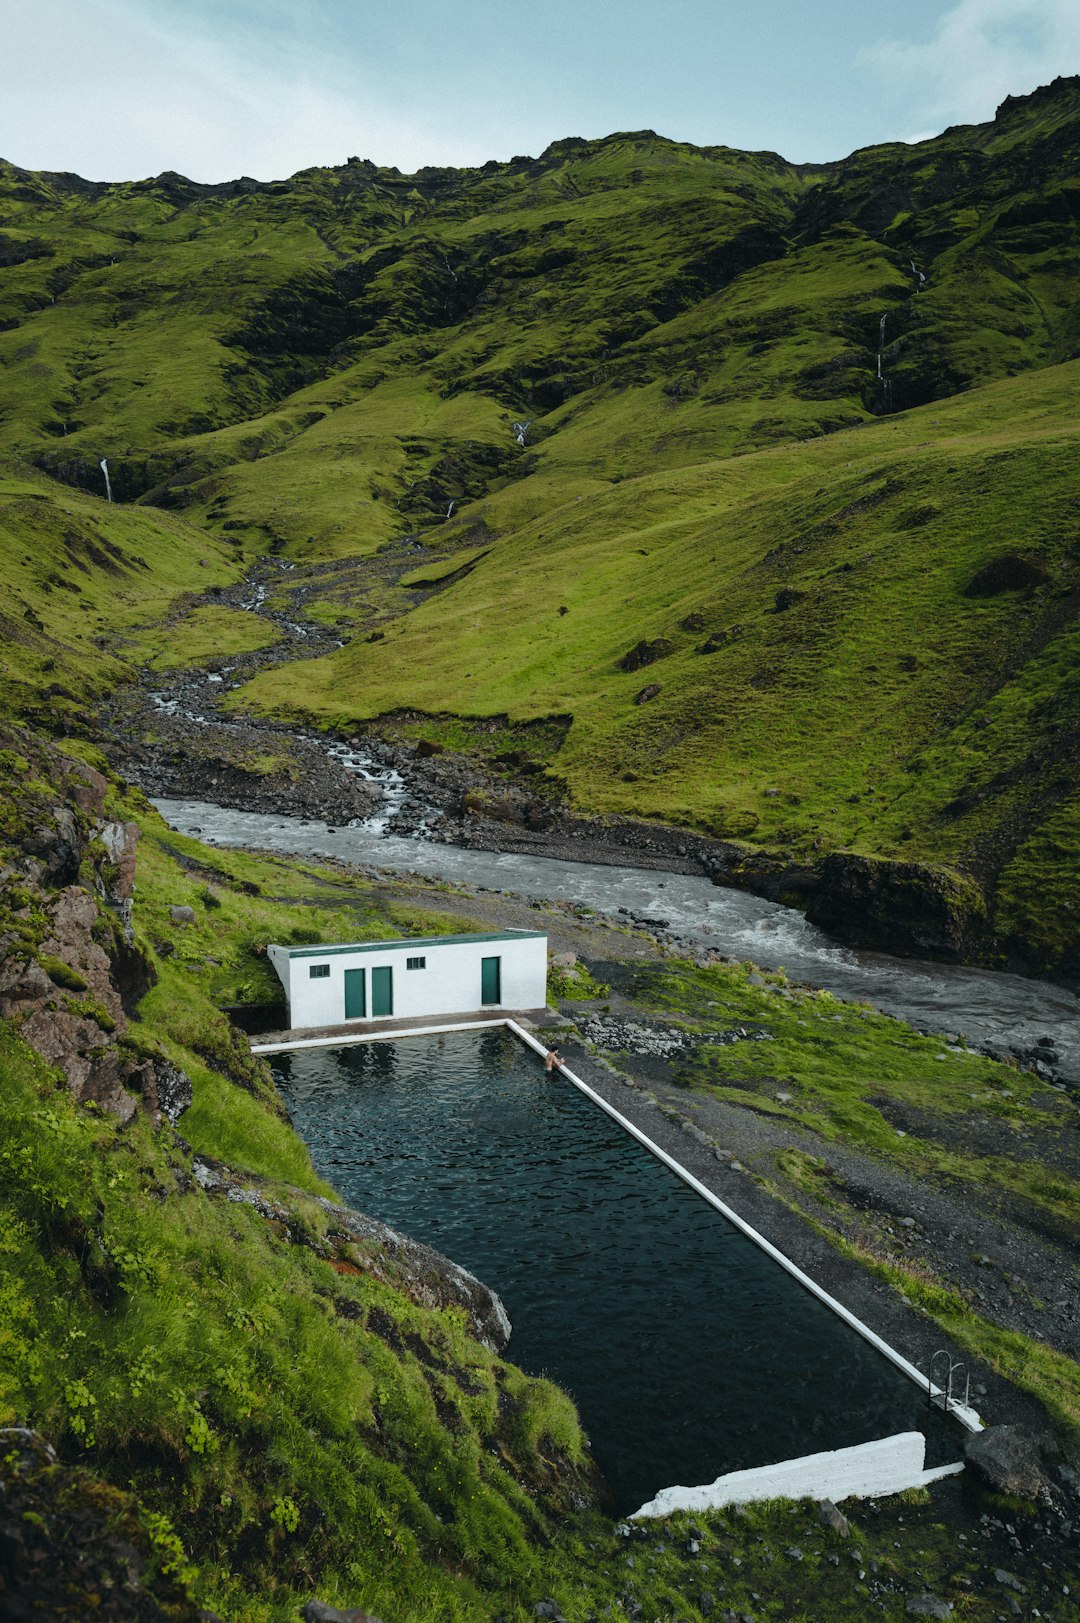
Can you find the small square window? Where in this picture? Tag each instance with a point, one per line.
(319, 972)
(416, 963)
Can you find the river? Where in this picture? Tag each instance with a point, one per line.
(980, 1005)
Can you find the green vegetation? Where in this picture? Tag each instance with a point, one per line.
(208, 634)
(847, 1075)
(607, 471)
(332, 368)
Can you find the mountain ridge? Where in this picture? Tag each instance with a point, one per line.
(520, 358)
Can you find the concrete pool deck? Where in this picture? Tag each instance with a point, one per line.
(269, 1042)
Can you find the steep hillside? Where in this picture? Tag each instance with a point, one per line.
(752, 487)
(804, 433)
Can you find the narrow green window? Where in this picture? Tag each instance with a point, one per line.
(490, 980)
(382, 992)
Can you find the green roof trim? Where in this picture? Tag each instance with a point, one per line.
(411, 942)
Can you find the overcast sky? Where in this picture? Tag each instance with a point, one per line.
(122, 89)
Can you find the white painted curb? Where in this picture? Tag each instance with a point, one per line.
(967, 1417)
(866, 1471)
(381, 1036)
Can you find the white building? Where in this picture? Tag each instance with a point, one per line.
(436, 975)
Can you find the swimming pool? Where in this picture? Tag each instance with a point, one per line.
(689, 1352)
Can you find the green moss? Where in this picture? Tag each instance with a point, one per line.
(62, 974)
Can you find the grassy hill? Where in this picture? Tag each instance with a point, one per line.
(846, 384)
(757, 483)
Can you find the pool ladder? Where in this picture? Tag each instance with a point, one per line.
(952, 1368)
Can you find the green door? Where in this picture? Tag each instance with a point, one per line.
(382, 992)
(355, 996)
(490, 991)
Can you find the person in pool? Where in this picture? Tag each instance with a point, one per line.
(553, 1061)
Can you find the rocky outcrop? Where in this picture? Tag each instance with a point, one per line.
(747, 867)
(70, 972)
(1019, 1461)
(356, 1243)
(73, 1547)
(646, 653)
(906, 907)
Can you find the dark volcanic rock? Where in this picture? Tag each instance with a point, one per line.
(646, 653)
(1009, 573)
(650, 692)
(909, 909)
(1011, 1459)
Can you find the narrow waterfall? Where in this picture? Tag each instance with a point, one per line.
(104, 466)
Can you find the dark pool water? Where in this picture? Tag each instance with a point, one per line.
(688, 1352)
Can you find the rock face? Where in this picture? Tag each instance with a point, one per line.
(919, 911)
(69, 969)
(72, 1547)
(362, 1244)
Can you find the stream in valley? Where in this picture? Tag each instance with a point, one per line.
(981, 1006)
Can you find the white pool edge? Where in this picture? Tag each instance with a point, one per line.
(871, 1467)
(966, 1416)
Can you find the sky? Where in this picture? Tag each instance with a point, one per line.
(123, 89)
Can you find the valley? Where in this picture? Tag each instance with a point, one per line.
(413, 540)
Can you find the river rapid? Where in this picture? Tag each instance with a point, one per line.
(980, 1006)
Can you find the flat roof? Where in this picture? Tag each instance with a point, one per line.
(411, 942)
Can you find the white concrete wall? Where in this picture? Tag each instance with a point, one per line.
(865, 1471)
(448, 984)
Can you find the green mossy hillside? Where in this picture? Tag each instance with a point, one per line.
(865, 643)
(277, 1400)
(778, 418)
(78, 576)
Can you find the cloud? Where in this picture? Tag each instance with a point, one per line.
(124, 89)
(980, 52)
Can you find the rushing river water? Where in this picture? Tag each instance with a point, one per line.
(688, 1350)
(980, 1005)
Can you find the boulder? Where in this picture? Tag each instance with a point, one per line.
(428, 747)
(647, 693)
(1010, 1459)
(646, 653)
(828, 1514)
(182, 915)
